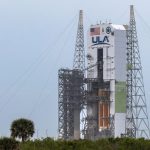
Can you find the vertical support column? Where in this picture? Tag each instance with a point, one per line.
(77, 124)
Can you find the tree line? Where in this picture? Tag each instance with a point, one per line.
(23, 129)
(101, 144)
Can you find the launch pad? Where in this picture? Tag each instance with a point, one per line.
(110, 88)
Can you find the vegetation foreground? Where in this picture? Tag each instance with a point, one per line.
(50, 144)
(23, 129)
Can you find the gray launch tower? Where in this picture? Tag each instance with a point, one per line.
(71, 90)
(112, 94)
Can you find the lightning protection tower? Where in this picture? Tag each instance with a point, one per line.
(137, 124)
(71, 90)
(79, 55)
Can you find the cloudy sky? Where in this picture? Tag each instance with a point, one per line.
(37, 37)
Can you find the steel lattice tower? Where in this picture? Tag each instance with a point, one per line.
(70, 96)
(71, 90)
(79, 64)
(137, 124)
(79, 55)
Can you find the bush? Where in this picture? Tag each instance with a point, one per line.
(101, 144)
(8, 144)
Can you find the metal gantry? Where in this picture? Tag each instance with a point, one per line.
(65, 118)
(71, 90)
(70, 95)
(137, 124)
(73, 98)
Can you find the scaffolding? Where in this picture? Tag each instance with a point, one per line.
(70, 100)
(71, 90)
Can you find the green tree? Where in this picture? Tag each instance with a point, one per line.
(8, 144)
(22, 128)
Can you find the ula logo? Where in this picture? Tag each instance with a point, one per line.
(100, 40)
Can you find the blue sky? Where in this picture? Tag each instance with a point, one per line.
(37, 37)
